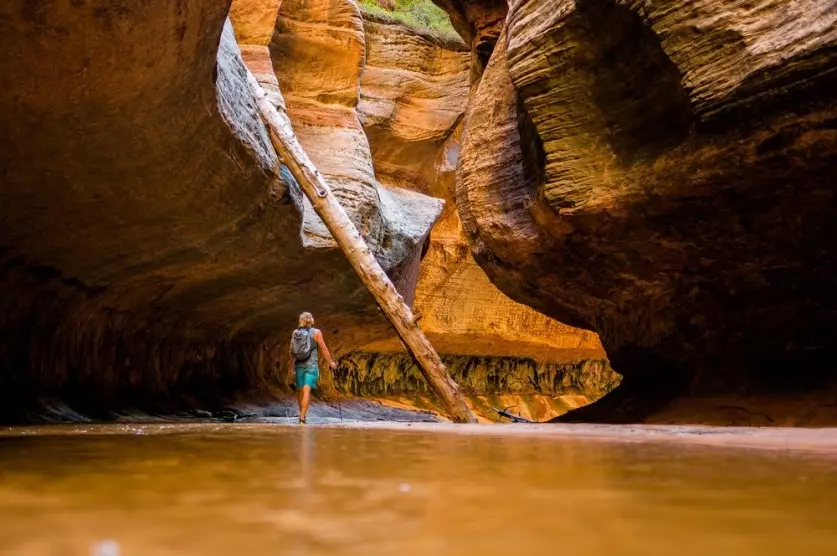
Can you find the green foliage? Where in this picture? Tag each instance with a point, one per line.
(422, 15)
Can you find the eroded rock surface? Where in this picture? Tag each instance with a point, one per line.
(152, 246)
(662, 174)
(479, 23)
(318, 56)
(408, 91)
(413, 93)
(537, 389)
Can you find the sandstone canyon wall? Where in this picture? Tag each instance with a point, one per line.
(658, 174)
(378, 103)
(154, 252)
(663, 174)
(153, 248)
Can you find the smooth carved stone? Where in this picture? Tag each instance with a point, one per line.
(413, 92)
(150, 239)
(318, 55)
(661, 173)
(254, 20)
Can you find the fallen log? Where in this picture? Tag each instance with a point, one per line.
(515, 418)
(361, 258)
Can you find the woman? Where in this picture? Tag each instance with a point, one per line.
(306, 343)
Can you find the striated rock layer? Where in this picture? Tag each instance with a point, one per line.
(389, 121)
(318, 56)
(662, 174)
(538, 390)
(413, 93)
(153, 251)
(479, 23)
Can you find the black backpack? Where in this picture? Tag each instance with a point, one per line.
(302, 343)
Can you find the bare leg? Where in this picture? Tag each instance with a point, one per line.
(305, 399)
(299, 402)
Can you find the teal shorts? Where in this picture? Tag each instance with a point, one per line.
(306, 376)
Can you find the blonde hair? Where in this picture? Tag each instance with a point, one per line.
(306, 319)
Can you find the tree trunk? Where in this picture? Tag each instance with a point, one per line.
(364, 263)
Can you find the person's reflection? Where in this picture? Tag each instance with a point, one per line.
(306, 459)
(301, 533)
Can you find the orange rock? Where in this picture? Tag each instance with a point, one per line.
(151, 244)
(254, 20)
(413, 93)
(662, 175)
(413, 89)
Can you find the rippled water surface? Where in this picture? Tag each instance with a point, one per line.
(264, 489)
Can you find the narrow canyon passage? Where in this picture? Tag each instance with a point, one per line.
(616, 222)
(159, 269)
(647, 189)
(552, 189)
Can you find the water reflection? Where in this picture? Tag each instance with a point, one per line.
(222, 490)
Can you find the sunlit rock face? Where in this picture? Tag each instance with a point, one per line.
(318, 56)
(536, 389)
(662, 174)
(413, 94)
(153, 250)
(381, 105)
(254, 20)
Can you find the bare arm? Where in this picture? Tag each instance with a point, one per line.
(318, 337)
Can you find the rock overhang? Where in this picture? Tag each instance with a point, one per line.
(141, 198)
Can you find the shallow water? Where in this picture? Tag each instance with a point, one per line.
(267, 489)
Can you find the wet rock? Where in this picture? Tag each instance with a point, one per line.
(201, 413)
(152, 249)
(540, 389)
(661, 175)
(409, 95)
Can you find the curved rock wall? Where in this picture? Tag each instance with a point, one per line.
(661, 174)
(479, 23)
(411, 92)
(318, 51)
(155, 252)
(152, 248)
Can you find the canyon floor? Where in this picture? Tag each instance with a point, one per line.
(415, 489)
(372, 416)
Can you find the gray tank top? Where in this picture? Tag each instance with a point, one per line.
(313, 357)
